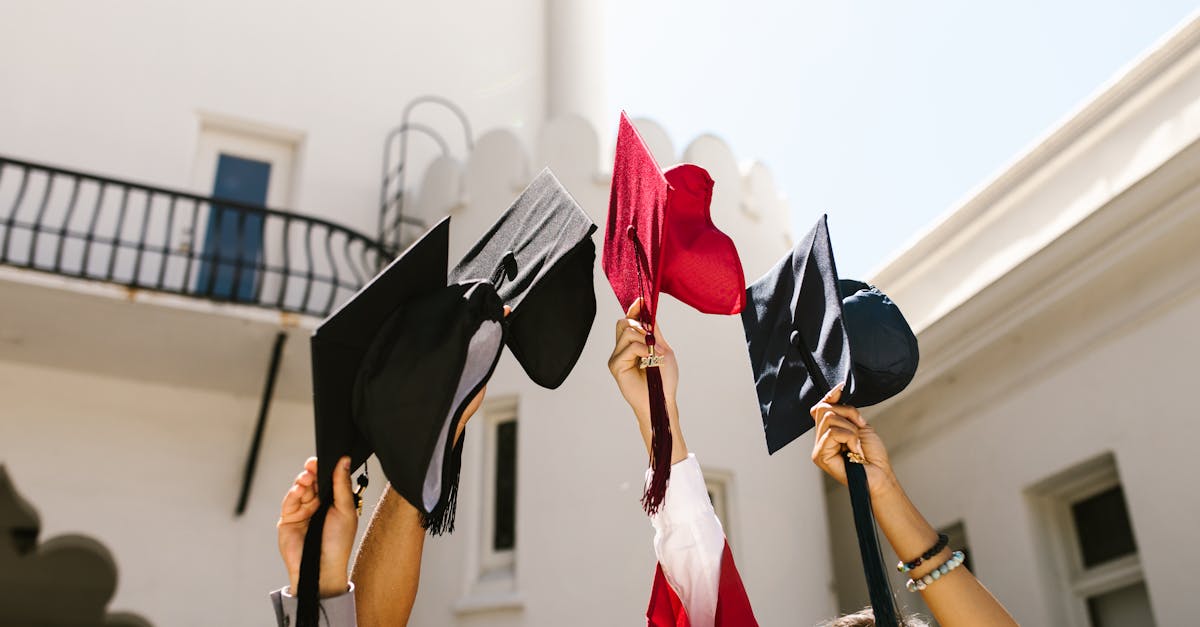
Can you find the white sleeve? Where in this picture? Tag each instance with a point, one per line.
(689, 541)
(337, 611)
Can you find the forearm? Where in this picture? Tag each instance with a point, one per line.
(388, 567)
(956, 599)
(679, 450)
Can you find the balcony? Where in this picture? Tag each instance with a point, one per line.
(149, 238)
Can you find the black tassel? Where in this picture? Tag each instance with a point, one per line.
(660, 438)
(441, 519)
(309, 595)
(883, 604)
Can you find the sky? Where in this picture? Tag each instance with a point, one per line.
(883, 114)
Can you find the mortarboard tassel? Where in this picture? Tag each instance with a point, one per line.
(441, 519)
(660, 439)
(308, 596)
(883, 603)
(660, 420)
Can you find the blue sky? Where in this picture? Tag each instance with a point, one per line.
(883, 114)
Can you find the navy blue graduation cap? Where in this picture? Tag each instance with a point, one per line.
(806, 332)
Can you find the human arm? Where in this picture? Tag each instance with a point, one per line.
(387, 568)
(956, 599)
(388, 565)
(689, 541)
(631, 379)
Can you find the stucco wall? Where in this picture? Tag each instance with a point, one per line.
(1056, 313)
(583, 544)
(153, 472)
(147, 457)
(120, 88)
(165, 458)
(1115, 397)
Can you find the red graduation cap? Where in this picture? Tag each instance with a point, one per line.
(660, 238)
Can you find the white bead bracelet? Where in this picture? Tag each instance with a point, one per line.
(918, 585)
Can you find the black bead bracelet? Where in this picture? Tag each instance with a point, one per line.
(943, 540)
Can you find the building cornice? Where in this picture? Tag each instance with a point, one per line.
(1127, 262)
(1137, 122)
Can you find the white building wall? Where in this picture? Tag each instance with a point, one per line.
(157, 409)
(980, 470)
(127, 415)
(121, 88)
(1056, 311)
(152, 472)
(584, 548)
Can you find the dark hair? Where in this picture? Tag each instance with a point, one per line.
(866, 618)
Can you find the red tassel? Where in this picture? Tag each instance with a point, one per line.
(660, 440)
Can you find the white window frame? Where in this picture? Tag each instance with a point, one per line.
(491, 560)
(1054, 498)
(491, 576)
(719, 483)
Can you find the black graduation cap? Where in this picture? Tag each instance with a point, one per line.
(393, 370)
(539, 257)
(807, 331)
(395, 367)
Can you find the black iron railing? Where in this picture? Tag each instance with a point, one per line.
(396, 228)
(95, 227)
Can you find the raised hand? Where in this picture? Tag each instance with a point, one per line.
(623, 364)
(341, 523)
(631, 379)
(840, 428)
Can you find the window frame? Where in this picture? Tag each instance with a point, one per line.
(1054, 498)
(490, 577)
(719, 483)
(492, 561)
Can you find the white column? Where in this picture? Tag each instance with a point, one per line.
(575, 64)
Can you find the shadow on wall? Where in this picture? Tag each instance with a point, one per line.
(67, 580)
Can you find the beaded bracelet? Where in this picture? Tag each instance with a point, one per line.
(919, 585)
(942, 541)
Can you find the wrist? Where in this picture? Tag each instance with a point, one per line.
(332, 587)
(931, 564)
(905, 528)
(886, 486)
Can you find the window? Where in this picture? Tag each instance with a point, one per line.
(500, 489)
(1091, 540)
(504, 531)
(720, 492)
(1102, 527)
(490, 462)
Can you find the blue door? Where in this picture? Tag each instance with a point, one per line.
(234, 238)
